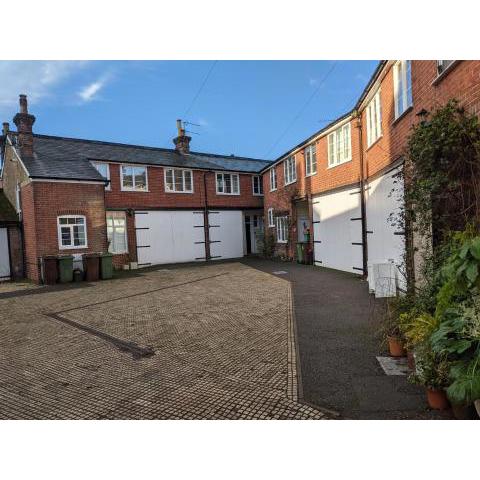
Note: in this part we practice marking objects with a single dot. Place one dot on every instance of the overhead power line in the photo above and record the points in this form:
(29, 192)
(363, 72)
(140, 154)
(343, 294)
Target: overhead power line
(205, 80)
(305, 105)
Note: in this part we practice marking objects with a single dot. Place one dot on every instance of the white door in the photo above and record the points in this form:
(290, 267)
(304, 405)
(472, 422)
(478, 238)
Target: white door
(337, 229)
(386, 241)
(4, 255)
(169, 236)
(226, 233)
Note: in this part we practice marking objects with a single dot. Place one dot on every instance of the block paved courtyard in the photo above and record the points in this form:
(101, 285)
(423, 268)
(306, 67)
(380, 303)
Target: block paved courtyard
(192, 342)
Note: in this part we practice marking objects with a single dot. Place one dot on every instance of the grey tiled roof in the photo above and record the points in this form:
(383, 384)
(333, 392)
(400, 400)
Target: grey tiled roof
(69, 158)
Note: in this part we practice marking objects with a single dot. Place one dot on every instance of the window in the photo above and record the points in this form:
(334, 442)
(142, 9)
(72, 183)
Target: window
(311, 160)
(442, 65)
(257, 185)
(339, 146)
(402, 84)
(134, 178)
(178, 180)
(374, 119)
(290, 170)
(271, 222)
(273, 179)
(72, 231)
(104, 170)
(228, 184)
(117, 232)
(282, 229)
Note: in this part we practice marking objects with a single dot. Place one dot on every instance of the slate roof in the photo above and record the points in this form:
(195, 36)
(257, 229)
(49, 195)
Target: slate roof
(69, 158)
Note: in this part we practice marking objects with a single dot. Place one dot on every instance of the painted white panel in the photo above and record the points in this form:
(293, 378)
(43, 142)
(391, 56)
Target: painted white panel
(334, 228)
(383, 245)
(169, 236)
(4, 255)
(226, 233)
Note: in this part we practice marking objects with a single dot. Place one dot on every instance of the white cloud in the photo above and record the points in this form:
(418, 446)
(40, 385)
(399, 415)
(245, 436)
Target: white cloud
(37, 79)
(90, 91)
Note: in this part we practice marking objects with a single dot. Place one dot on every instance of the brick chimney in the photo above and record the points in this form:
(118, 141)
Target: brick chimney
(182, 142)
(5, 128)
(24, 122)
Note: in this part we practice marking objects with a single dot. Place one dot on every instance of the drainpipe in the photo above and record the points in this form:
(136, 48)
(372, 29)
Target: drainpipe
(205, 219)
(362, 198)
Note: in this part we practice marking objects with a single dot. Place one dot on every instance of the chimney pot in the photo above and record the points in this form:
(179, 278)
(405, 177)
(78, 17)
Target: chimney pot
(23, 103)
(182, 141)
(24, 122)
(5, 128)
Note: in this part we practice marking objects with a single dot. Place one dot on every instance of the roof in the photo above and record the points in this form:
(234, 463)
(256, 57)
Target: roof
(7, 212)
(364, 93)
(69, 158)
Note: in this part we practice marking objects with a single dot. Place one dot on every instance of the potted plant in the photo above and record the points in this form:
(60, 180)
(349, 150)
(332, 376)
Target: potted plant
(464, 391)
(432, 371)
(390, 327)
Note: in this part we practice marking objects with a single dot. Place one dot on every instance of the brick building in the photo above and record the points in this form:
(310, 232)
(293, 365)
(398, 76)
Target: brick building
(145, 205)
(340, 184)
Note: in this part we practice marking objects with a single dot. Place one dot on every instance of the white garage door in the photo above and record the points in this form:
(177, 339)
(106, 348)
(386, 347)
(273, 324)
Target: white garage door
(337, 229)
(226, 233)
(386, 243)
(4, 255)
(169, 236)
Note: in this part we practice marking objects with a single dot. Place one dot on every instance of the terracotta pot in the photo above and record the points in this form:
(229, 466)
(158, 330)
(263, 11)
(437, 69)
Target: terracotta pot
(437, 399)
(395, 346)
(464, 412)
(477, 406)
(410, 360)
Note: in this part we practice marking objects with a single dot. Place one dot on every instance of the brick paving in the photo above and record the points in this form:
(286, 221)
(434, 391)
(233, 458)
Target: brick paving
(221, 335)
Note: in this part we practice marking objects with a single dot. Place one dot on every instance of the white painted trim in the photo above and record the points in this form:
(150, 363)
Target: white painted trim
(133, 189)
(108, 187)
(111, 213)
(227, 173)
(260, 180)
(18, 157)
(290, 157)
(270, 217)
(59, 233)
(54, 180)
(183, 180)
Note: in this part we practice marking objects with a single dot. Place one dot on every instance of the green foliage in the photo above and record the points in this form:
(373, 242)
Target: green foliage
(431, 370)
(465, 386)
(268, 244)
(416, 327)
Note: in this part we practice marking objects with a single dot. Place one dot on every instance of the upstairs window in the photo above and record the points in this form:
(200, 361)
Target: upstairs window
(257, 185)
(339, 146)
(273, 179)
(104, 170)
(134, 178)
(442, 65)
(374, 119)
(290, 170)
(311, 160)
(271, 220)
(117, 232)
(178, 180)
(402, 85)
(72, 232)
(282, 229)
(228, 184)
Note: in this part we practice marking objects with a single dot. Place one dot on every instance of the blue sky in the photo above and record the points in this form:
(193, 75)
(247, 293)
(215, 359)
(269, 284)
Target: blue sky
(250, 108)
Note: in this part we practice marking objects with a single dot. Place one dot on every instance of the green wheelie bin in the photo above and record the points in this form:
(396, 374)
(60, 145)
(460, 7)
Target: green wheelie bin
(106, 266)
(65, 268)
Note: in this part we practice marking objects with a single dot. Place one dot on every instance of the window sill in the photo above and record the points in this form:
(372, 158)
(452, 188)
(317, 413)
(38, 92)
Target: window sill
(374, 143)
(310, 174)
(273, 190)
(403, 114)
(339, 164)
(173, 191)
(258, 194)
(134, 190)
(119, 253)
(282, 242)
(229, 194)
(289, 183)
(442, 75)
(75, 247)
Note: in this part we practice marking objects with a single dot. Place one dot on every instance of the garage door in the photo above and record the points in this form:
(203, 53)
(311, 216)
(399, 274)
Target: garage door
(226, 233)
(337, 229)
(4, 255)
(169, 236)
(383, 198)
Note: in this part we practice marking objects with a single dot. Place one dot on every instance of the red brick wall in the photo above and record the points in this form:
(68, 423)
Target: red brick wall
(16, 252)
(43, 202)
(156, 197)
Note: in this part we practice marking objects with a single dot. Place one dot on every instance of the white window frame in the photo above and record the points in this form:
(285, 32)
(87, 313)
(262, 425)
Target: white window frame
(271, 219)
(374, 119)
(222, 174)
(273, 179)
(133, 189)
(402, 87)
(281, 229)
(443, 66)
(59, 233)
(310, 155)
(118, 214)
(260, 185)
(175, 172)
(290, 172)
(96, 164)
(340, 146)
